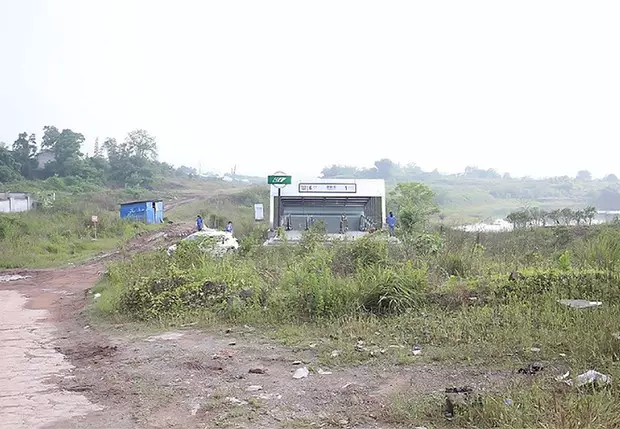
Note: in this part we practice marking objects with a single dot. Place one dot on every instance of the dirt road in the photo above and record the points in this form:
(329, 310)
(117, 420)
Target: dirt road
(57, 372)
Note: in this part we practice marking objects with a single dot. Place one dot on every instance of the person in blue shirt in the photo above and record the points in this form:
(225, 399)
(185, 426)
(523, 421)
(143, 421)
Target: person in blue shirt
(199, 223)
(229, 227)
(391, 221)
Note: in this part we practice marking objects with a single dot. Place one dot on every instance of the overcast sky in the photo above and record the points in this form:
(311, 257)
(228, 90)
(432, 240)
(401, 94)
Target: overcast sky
(528, 87)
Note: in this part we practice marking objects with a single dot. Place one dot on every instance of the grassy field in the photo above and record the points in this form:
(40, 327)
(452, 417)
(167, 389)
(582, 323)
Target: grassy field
(447, 292)
(61, 231)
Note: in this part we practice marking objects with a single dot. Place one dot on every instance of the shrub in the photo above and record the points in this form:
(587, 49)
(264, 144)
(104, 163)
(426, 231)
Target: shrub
(597, 285)
(391, 289)
(363, 252)
(309, 290)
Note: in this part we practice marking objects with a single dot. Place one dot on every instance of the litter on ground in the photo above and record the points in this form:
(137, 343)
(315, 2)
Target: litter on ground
(301, 373)
(12, 278)
(580, 303)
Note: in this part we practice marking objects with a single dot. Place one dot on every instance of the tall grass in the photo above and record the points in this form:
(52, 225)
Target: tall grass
(456, 301)
(62, 233)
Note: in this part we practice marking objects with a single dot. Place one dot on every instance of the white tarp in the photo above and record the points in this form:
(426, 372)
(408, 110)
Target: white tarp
(224, 241)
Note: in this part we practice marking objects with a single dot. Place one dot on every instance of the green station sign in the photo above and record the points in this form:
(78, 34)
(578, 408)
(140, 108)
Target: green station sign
(279, 180)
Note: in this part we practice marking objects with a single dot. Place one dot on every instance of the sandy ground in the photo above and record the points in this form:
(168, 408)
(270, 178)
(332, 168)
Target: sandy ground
(58, 372)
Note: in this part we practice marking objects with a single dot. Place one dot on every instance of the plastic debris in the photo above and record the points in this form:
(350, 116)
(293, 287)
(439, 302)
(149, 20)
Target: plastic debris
(258, 371)
(166, 336)
(588, 377)
(321, 372)
(564, 378)
(301, 373)
(267, 396)
(335, 353)
(592, 377)
(255, 388)
(97, 295)
(13, 277)
(416, 350)
(535, 349)
(236, 401)
(297, 362)
(580, 303)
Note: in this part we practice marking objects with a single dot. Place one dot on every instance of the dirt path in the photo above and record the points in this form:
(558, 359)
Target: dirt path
(57, 372)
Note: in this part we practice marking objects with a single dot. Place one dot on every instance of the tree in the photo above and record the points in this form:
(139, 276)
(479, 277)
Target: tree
(412, 171)
(415, 204)
(555, 216)
(520, 218)
(567, 216)
(50, 137)
(543, 217)
(141, 144)
(475, 172)
(611, 178)
(385, 168)
(186, 171)
(24, 149)
(9, 168)
(65, 146)
(578, 216)
(111, 147)
(589, 214)
(339, 171)
(97, 153)
(584, 175)
(68, 146)
(133, 162)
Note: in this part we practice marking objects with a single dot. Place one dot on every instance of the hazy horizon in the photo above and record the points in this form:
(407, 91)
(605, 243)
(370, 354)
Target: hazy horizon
(529, 88)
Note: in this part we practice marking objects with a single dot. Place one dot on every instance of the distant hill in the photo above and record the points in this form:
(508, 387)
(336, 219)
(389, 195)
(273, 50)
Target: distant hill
(478, 194)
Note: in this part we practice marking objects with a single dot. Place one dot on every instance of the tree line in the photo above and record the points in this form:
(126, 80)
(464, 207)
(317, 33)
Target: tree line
(477, 186)
(131, 162)
(389, 170)
(537, 217)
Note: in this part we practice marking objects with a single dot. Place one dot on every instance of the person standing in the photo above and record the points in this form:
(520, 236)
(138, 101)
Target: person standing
(199, 223)
(391, 221)
(344, 224)
(229, 227)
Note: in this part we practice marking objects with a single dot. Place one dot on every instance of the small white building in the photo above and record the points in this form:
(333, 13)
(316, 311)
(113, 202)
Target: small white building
(13, 202)
(44, 157)
(307, 201)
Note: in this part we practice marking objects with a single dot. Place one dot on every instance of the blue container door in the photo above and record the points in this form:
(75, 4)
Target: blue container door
(159, 214)
(150, 212)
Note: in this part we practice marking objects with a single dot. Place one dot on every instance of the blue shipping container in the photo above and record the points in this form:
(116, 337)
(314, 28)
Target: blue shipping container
(151, 211)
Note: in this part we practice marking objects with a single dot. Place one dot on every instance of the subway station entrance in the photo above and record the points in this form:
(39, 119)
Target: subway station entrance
(342, 206)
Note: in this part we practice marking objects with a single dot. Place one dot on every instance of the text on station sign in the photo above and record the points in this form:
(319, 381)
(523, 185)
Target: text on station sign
(328, 187)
